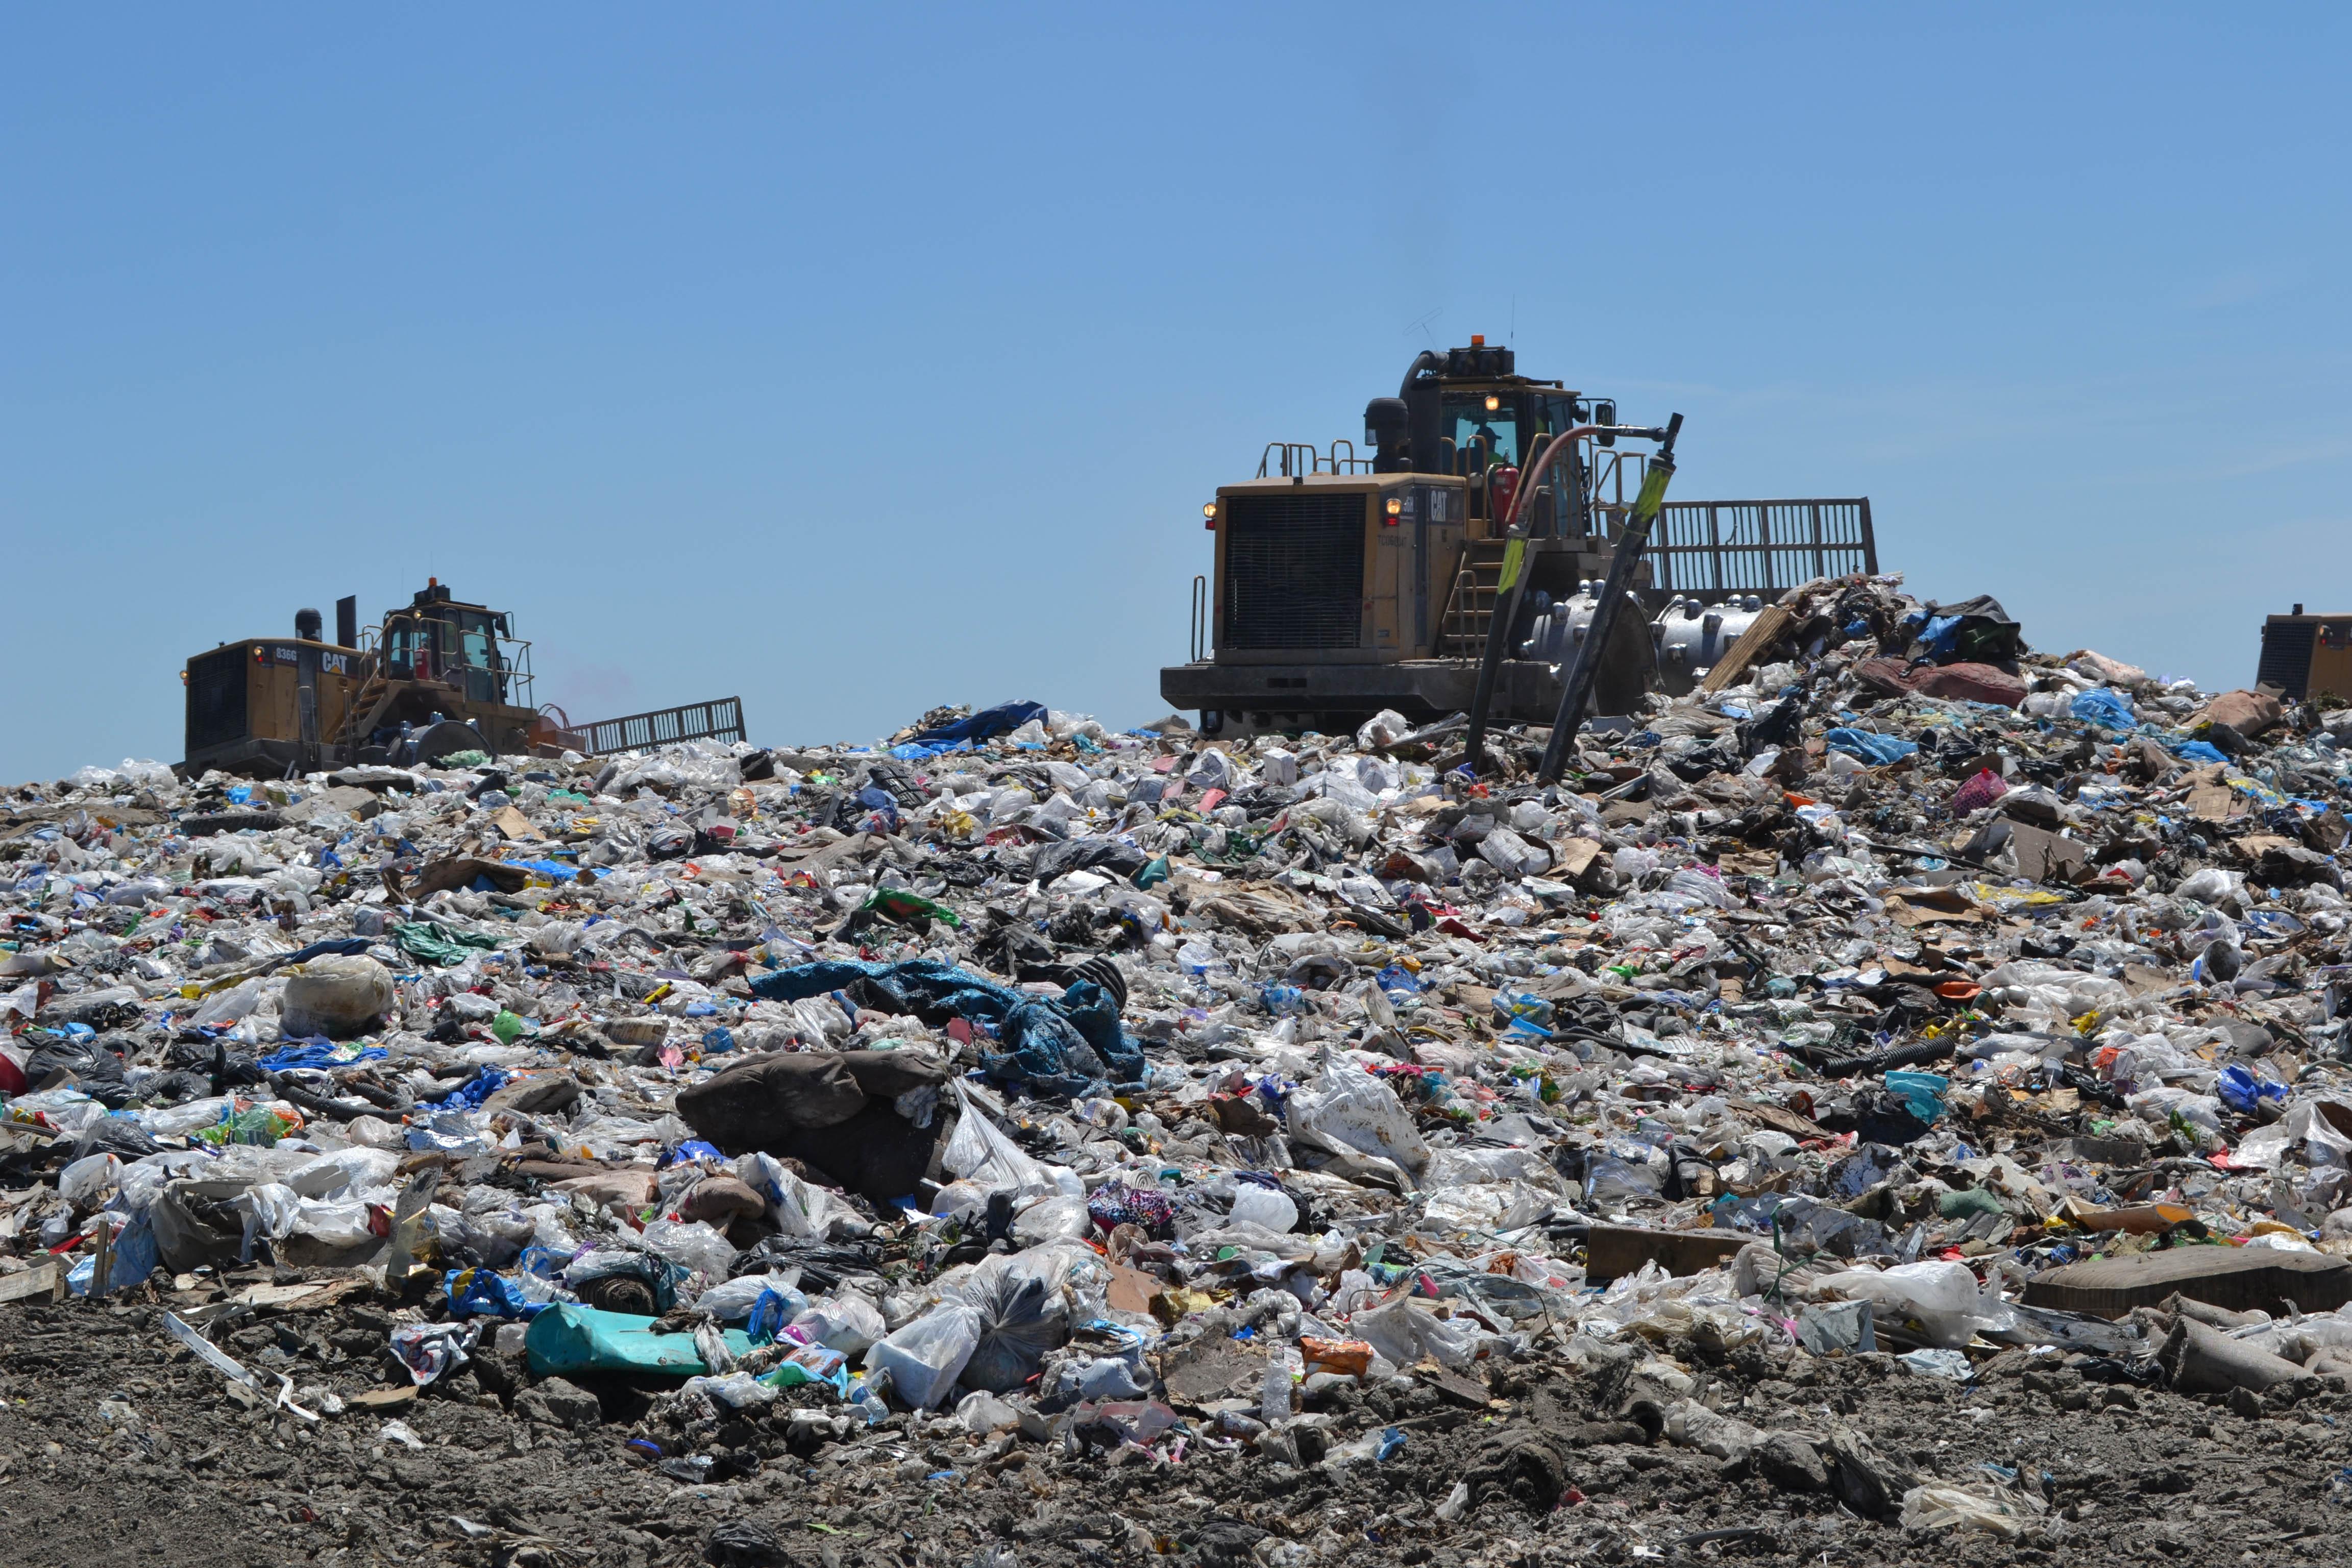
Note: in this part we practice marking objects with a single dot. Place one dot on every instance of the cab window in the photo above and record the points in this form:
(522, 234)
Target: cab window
(1479, 438)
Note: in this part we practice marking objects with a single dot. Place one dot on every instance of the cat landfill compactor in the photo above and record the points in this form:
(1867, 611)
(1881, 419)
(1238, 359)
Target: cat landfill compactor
(436, 677)
(1461, 565)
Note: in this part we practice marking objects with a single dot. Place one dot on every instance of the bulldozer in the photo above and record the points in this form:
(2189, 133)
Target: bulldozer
(435, 677)
(1349, 581)
(2306, 658)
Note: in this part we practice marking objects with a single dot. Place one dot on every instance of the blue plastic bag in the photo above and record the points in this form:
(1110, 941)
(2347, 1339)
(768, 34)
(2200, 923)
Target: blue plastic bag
(2243, 1093)
(1282, 1001)
(1871, 747)
(2103, 707)
(1922, 1093)
(485, 1293)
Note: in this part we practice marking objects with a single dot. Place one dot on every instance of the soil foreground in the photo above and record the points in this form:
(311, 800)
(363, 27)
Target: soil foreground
(117, 1446)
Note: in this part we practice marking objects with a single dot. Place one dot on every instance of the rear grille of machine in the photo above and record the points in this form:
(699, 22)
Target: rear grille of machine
(1294, 572)
(2286, 656)
(216, 697)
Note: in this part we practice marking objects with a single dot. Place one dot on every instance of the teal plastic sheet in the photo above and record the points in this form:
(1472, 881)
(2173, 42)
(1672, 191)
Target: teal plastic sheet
(568, 1338)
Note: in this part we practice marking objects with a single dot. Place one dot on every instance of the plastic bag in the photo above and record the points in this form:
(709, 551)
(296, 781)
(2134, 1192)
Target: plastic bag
(2104, 707)
(428, 1350)
(1021, 1318)
(794, 1207)
(1263, 1207)
(925, 1358)
(848, 1322)
(1943, 1298)
(1944, 1508)
(1403, 1333)
(691, 1244)
(227, 1007)
(1350, 1106)
(977, 1150)
(342, 1170)
(1057, 1218)
(85, 1179)
(1694, 1425)
(335, 997)
(270, 1210)
(731, 1301)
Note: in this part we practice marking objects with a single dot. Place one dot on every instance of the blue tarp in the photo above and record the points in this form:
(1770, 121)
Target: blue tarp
(2104, 707)
(1870, 746)
(1072, 1044)
(320, 1053)
(984, 725)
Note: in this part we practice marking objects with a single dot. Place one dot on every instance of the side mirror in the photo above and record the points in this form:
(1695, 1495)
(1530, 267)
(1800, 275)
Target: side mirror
(1604, 412)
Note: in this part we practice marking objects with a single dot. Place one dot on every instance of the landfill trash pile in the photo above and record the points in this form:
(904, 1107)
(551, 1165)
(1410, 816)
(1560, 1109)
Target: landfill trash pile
(1889, 1103)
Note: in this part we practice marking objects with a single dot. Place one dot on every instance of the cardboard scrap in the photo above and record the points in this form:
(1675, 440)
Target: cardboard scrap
(2045, 857)
(514, 824)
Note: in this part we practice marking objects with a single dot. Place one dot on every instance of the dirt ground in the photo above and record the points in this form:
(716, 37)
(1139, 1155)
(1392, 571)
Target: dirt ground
(118, 1446)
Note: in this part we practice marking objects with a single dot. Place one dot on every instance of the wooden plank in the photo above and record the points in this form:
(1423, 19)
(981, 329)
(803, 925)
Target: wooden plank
(1615, 1250)
(33, 1284)
(1758, 636)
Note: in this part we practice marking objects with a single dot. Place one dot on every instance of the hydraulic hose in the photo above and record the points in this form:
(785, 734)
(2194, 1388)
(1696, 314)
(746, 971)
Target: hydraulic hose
(1512, 585)
(1577, 688)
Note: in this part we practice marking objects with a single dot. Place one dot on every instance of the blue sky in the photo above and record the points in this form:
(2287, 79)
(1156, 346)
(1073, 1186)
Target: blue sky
(860, 362)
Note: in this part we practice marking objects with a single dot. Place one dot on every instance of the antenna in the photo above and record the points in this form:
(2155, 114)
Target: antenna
(1422, 326)
(1513, 338)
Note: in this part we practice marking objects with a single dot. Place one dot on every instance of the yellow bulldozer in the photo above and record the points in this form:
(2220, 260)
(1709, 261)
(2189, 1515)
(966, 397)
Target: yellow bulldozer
(434, 677)
(1346, 582)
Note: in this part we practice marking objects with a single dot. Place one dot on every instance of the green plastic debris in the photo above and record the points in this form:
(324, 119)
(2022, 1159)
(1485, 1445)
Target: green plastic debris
(1153, 873)
(568, 1338)
(257, 1126)
(898, 905)
(436, 943)
(506, 1027)
(468, 758)
(1967, 1202)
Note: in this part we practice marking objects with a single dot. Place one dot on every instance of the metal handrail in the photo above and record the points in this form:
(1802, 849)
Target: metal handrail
(1200, 617)
(1465, 576)
(1306, 457)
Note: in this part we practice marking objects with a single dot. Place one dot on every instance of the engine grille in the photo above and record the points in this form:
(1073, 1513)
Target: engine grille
(2286, 656)
(217, 682)
(1294, 572)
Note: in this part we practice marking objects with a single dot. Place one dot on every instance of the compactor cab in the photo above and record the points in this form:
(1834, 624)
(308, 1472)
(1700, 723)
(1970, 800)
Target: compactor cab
(1347, 581)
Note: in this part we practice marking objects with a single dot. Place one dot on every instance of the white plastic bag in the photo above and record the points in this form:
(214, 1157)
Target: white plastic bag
(691, 1244)
(794, 1207)
(1056, 1218)
(845, 1321)
(227, 1007)
(731, 1301)
(1946, 1508)
(342, 1170)
(269, 1210)
(1404, 1334)
(925, 1358)
(1514, 856)
(977, 1150)
(1263, 1207)
(1943, 1298)
(335, 997)
(1350, 1106)
(88, 1178)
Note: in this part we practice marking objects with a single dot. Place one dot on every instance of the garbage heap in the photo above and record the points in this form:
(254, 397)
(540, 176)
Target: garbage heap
(1898, 1086)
